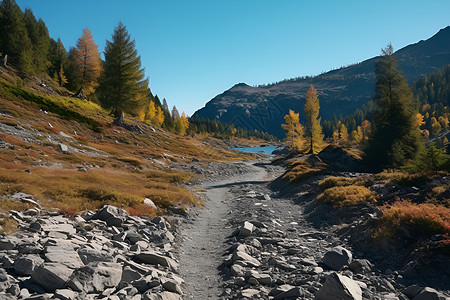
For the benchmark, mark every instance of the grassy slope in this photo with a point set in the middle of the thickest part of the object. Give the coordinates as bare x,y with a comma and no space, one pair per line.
123,167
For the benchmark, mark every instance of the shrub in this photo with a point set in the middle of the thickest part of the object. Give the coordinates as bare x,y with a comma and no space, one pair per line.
347,195
422,219
301,170
333,181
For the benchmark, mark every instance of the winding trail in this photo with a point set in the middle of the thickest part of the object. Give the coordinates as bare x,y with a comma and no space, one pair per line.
202,249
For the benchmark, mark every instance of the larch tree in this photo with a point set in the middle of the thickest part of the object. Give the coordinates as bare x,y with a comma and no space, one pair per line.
295,138
395,137
313,129
343,134
122,84
87,62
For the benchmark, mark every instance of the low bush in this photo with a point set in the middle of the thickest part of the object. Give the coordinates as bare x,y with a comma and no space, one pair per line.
418,219
347,195
333,181
301,170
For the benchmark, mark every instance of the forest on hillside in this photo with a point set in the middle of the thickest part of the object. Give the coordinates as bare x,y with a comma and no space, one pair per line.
25,44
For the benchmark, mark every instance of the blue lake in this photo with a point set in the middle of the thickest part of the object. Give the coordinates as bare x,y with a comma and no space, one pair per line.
264,150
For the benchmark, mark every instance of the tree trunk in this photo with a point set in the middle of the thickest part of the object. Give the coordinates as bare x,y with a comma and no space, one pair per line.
118,117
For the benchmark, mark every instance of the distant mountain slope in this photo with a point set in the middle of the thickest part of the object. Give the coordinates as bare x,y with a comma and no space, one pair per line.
340,91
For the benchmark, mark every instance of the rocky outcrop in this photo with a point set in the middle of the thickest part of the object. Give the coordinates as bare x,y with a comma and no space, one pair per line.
108,254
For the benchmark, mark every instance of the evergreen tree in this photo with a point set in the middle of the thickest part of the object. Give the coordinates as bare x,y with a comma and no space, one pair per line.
58,59
175,113
165,105
14,40
122,84
313,128
40,41
86,60
395,137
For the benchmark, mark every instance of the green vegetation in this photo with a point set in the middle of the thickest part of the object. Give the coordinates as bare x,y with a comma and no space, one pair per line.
122,84
395,137
217,129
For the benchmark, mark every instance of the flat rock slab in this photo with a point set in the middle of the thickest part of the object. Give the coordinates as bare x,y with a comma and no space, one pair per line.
156,259
69,258
52,276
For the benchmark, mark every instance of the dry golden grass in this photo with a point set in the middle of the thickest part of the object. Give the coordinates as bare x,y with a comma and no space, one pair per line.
420,219
333,181
347,195
403,178
8,225
300,170
124,175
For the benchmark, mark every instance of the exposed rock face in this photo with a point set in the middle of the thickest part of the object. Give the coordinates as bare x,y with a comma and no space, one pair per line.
340,91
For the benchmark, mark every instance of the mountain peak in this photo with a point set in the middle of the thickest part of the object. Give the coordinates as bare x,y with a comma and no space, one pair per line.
340,91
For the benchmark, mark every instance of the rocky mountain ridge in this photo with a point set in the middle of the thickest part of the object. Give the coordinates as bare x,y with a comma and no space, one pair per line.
340,91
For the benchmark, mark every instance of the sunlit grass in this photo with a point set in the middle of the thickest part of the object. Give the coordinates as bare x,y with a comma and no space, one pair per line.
347,195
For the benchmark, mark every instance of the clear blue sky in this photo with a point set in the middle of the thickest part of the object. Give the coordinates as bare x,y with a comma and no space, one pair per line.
194,50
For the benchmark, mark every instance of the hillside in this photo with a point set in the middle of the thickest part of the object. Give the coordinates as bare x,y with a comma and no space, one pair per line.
340,91
68,156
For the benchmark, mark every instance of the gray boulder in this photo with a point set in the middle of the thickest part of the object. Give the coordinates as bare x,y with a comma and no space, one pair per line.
246,229
88,255
360,266
113,213
339,287
51,276
292,293
65,294
245,259
4,280
428,294
161,296
27,265
153,258
96,277
66,257
337,258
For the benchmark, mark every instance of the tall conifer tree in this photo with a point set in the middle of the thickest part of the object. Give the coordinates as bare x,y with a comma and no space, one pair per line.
395,136
312,125
40,41
122,84
14,40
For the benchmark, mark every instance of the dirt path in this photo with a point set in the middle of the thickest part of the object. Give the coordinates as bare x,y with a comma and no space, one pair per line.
204,244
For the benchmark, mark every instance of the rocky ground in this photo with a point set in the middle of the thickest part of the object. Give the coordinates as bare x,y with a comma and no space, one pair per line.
250,241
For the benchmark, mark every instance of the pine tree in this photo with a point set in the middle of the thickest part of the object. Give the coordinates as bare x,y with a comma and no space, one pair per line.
175,113
395,137
40,41
165,105
87,62
313,128
295,132
58,59
14,39
122,84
